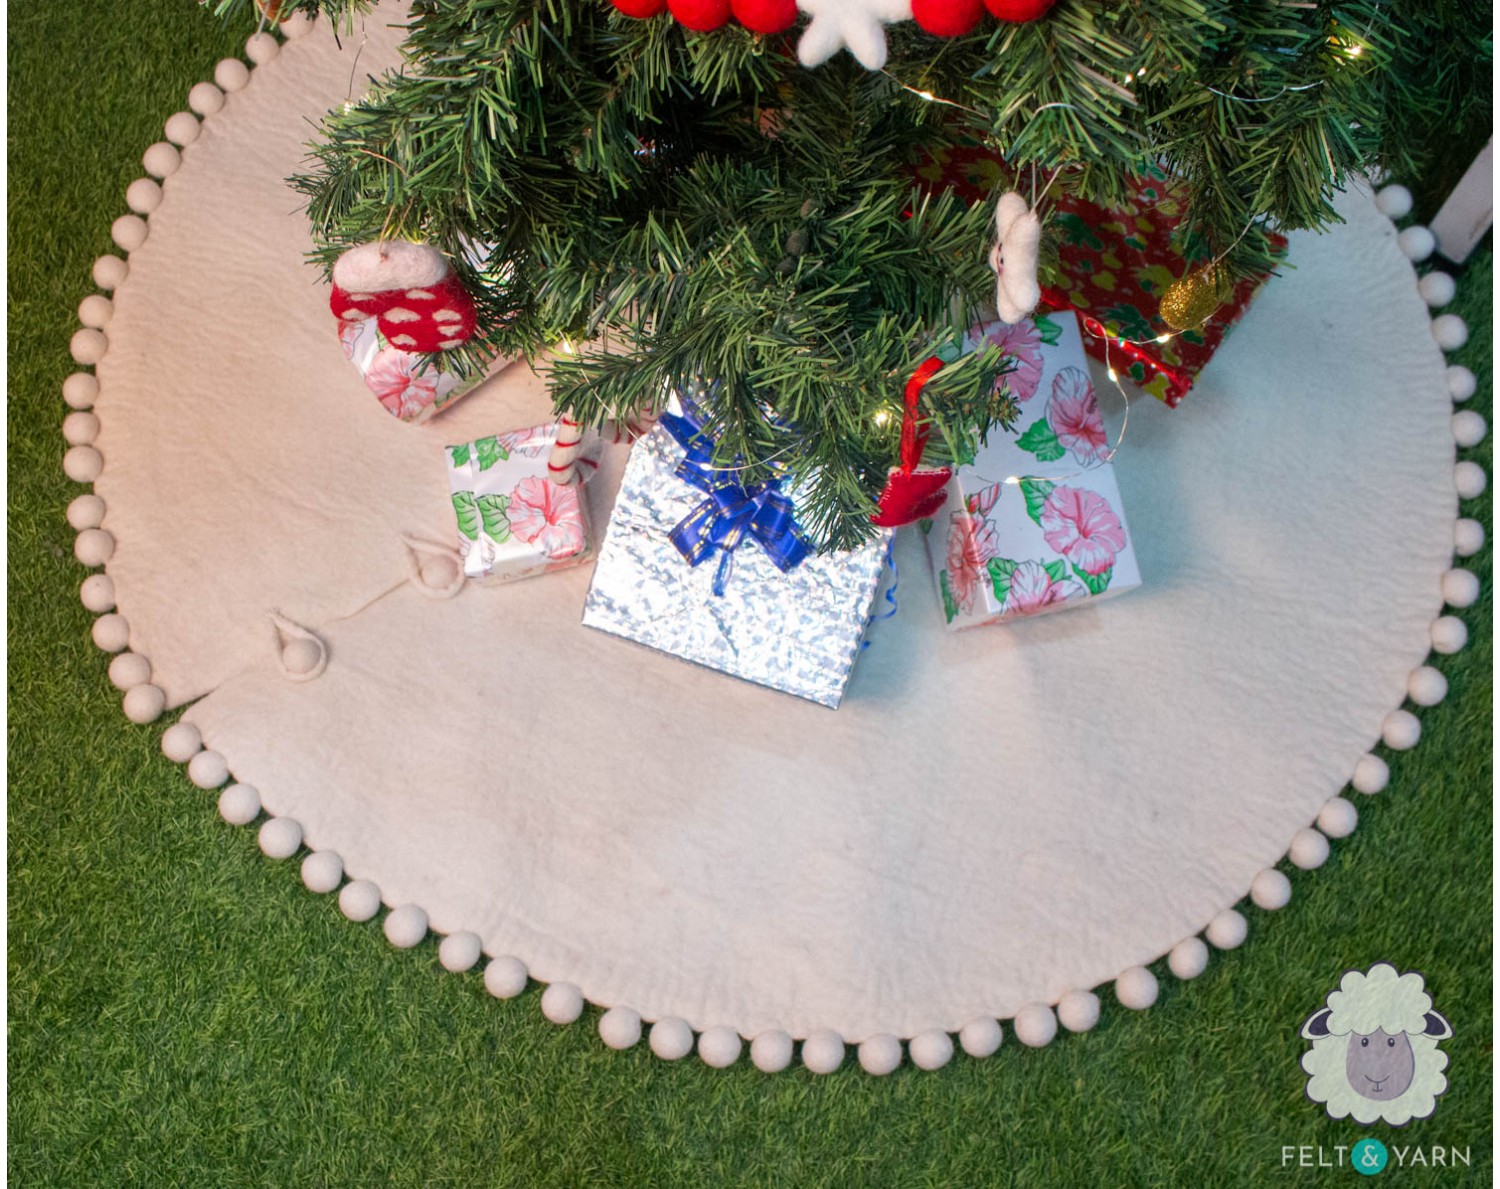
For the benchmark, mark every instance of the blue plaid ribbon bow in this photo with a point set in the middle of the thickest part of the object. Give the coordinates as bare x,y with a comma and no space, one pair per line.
731,510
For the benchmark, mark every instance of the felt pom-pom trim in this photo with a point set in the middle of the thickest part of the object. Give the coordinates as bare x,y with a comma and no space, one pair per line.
435,570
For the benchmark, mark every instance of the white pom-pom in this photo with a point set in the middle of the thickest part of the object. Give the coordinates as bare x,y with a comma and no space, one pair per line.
128,670
161,160
110,632
1394,202
97,593
1416,243
144,703
439,573
181,742
96,310
1078,1011
406,926
1401,730
322,871
505,977
1461,382
719,1047
301,655
1227,930
459,951
1469,480
239,804
1460,588
280,837
1309,850
932,1049
205,99
129,233
80,428
1136,988
299,24
93,547
1371,775
1270,889
1035,1025
1426,686
562,1003
981,1037
1338,817
208,769
86,511
182,128
261,48
110,272
823,1051
1469,428
1437,289
81,390
620,1027
880,1054
1468,537
88,346
231,75
143,195
1450,331
671,1039
359,900
771,1051
1449,634
1188,959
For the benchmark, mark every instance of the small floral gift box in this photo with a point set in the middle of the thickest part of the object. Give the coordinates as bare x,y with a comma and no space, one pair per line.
403,386
514,521
1034,523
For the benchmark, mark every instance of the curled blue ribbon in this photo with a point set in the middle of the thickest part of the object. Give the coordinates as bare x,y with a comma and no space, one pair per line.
731,510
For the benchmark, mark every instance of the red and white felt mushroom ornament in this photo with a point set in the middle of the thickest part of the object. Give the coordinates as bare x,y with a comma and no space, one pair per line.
410,288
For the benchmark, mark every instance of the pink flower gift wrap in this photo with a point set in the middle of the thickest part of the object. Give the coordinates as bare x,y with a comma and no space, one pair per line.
1034,522
404,387
514,521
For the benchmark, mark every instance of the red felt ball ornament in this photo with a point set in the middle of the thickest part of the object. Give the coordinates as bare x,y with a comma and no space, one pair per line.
701,16
765,16
641,9
1018,11
947,18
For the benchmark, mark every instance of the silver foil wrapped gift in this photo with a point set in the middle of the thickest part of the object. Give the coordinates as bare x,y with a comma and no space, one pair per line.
797,631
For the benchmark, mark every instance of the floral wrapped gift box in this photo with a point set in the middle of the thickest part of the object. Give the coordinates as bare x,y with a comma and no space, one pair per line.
514,521
404,387
1034,522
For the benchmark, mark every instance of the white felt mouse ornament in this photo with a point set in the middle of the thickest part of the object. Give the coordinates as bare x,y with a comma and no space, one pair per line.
1018,235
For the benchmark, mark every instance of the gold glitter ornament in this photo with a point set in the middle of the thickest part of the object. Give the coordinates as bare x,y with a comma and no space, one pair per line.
1189,301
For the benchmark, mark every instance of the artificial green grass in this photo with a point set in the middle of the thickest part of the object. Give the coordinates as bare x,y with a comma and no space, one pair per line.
183,1012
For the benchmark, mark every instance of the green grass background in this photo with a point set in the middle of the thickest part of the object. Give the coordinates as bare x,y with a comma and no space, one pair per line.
183,1012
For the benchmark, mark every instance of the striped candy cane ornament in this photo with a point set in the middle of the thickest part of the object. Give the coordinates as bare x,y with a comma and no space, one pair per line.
566,464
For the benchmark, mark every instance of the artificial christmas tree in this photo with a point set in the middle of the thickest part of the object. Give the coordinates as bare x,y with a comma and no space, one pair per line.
728,213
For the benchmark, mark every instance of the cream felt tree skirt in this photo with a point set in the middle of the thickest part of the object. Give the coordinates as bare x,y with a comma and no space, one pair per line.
992,820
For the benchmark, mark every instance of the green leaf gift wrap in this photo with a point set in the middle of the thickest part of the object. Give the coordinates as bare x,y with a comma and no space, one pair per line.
1034,522
513,521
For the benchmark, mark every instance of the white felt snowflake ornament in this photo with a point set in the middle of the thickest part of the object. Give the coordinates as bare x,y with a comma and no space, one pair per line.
858,25
1018,234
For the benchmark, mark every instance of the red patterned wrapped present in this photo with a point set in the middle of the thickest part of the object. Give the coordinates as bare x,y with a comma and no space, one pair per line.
1113,264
